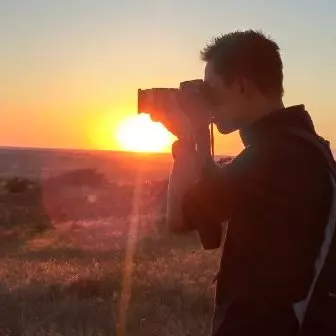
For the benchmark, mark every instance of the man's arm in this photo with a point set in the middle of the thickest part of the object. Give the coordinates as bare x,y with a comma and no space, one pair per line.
183,174
209,203
191,162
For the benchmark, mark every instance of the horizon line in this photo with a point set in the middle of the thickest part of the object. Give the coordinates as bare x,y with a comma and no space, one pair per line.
8,147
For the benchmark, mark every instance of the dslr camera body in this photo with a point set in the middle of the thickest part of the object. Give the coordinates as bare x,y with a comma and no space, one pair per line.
150,100
189,96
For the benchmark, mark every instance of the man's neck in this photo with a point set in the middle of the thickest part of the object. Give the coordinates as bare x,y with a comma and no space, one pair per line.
261,110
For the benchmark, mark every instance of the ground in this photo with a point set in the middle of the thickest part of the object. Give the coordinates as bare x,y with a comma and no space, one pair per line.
106,277
89,254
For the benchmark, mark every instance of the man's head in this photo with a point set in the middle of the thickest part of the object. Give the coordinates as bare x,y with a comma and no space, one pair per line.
244,73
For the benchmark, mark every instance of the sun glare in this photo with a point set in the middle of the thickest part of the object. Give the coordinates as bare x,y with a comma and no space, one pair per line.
140,134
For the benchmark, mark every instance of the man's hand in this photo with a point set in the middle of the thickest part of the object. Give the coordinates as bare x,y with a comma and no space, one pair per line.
187,117
195,106
184,115
169,113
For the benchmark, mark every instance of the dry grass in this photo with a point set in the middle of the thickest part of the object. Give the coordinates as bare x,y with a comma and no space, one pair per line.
73,281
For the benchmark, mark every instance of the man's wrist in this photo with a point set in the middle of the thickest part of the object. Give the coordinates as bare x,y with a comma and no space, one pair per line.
182,146
198,147
202,140
203,146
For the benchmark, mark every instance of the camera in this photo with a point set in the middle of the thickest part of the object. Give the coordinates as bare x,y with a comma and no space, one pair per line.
188,94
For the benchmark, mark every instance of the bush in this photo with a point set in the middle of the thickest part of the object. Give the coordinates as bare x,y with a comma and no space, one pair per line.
224,160
17,185
80,177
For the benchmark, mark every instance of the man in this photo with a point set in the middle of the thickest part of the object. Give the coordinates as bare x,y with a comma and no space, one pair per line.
274,196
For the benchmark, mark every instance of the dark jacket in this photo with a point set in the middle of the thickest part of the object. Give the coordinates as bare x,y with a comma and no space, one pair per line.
276,196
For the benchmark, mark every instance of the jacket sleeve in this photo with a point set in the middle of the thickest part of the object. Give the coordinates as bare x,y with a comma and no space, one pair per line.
282,185
216,196
187,168
212,199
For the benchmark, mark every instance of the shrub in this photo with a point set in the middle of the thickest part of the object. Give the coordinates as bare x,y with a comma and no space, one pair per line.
17,185
80,177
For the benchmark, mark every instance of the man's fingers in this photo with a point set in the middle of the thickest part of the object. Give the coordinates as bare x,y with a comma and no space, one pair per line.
166,110
154,118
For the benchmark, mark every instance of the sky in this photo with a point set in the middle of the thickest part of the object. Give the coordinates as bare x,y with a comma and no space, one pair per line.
70,69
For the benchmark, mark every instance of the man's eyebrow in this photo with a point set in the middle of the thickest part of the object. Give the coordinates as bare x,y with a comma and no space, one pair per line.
208,84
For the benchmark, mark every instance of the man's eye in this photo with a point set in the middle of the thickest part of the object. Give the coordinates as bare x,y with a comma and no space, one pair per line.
209,94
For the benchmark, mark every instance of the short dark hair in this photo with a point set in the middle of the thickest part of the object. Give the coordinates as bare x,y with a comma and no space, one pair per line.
250,54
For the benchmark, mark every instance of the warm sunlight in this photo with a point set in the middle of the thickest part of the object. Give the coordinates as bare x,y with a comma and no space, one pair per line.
140,134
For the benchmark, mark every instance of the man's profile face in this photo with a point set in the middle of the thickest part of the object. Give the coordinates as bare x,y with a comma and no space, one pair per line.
231,101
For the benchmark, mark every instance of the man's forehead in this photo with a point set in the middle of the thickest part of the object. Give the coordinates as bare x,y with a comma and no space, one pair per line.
207,71
210,76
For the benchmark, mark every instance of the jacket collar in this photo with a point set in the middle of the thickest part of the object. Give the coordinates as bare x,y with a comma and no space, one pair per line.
287,117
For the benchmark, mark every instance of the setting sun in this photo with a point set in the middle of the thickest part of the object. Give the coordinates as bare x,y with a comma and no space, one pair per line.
140,134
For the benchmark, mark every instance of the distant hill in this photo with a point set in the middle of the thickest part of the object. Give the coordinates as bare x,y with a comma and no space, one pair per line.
35,163
124,167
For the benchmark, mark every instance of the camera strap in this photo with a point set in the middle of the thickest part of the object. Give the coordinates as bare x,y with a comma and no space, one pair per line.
212,139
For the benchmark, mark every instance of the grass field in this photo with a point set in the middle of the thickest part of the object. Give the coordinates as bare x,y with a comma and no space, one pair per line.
87,254
105,277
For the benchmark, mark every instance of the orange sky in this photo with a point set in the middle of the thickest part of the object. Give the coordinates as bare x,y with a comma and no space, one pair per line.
70,70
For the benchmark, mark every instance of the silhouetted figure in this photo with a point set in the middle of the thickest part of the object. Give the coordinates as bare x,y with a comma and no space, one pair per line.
275,196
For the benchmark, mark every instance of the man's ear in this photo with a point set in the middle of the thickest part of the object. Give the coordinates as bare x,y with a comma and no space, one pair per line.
247,87
240,85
